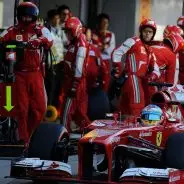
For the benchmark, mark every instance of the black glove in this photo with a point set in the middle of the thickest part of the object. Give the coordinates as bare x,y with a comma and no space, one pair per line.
73,91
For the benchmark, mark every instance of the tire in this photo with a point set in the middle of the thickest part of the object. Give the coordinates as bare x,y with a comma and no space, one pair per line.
98,104
174,151
46,142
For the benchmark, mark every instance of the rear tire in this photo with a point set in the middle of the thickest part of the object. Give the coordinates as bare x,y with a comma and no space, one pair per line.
174,151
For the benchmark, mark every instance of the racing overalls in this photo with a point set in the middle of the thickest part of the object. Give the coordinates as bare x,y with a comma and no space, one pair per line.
96,71
168,63
74,107
139,61
106,43
29,84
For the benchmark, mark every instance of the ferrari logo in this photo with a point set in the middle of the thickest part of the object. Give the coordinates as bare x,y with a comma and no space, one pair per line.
19,38
159,138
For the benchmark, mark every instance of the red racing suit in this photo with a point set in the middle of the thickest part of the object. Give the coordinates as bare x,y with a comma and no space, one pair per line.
106,43
139,60
75,108
96,70
30,89
181,67
168,63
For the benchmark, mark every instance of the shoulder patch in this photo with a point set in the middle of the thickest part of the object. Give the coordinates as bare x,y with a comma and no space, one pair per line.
129,42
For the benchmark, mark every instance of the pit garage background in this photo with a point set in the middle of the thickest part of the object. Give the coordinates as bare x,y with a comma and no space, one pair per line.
125,14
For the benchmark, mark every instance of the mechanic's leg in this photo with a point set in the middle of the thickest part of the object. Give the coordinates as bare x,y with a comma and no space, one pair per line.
67,115
66,79
22,106
59,80
38,102
148,92
107,76
137,103
132,99
80,115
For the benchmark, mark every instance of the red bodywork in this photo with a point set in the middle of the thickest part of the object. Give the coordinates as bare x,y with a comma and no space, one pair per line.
112,134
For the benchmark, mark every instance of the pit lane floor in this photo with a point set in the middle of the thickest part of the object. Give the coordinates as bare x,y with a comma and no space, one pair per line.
5,170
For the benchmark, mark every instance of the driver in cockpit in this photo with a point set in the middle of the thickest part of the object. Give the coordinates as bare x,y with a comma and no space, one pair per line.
152,115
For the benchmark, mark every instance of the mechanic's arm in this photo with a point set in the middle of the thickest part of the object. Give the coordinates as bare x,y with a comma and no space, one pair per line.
154,68
6,35
172,70
44,40
111,46
105,73
80,58
117,55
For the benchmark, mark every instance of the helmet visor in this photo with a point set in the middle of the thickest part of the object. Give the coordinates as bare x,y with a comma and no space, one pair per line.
31,11
152,117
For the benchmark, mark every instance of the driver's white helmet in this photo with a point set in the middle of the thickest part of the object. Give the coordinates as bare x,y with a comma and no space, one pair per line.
151,115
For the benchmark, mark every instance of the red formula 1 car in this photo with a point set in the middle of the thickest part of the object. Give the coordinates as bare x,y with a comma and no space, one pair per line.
132,153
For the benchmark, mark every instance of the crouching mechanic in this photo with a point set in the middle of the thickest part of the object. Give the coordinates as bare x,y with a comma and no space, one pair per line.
73,96
30,90
140,66
152,115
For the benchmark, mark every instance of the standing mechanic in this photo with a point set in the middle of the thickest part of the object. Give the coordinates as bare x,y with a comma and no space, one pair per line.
30,90
180,23
104,40
73,96
140,67
97,74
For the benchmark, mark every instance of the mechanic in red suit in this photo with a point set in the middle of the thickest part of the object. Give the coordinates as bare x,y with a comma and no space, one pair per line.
96,69
180,23
166,54
30,90
104,39
140,66
73,96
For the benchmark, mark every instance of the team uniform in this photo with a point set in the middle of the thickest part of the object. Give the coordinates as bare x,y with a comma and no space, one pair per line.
73,96
106,43
29,84
168,64
139,60
97,73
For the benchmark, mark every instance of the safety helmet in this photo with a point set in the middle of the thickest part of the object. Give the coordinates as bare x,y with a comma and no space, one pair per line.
148,23
74,24
172,29
176,41
151,115
27,8
180,21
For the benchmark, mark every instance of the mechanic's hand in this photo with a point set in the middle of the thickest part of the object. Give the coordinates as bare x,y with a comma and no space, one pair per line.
72,93
34,44
152,77
115,72
73,90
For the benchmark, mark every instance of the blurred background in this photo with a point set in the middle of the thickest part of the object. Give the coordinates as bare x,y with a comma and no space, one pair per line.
125,15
